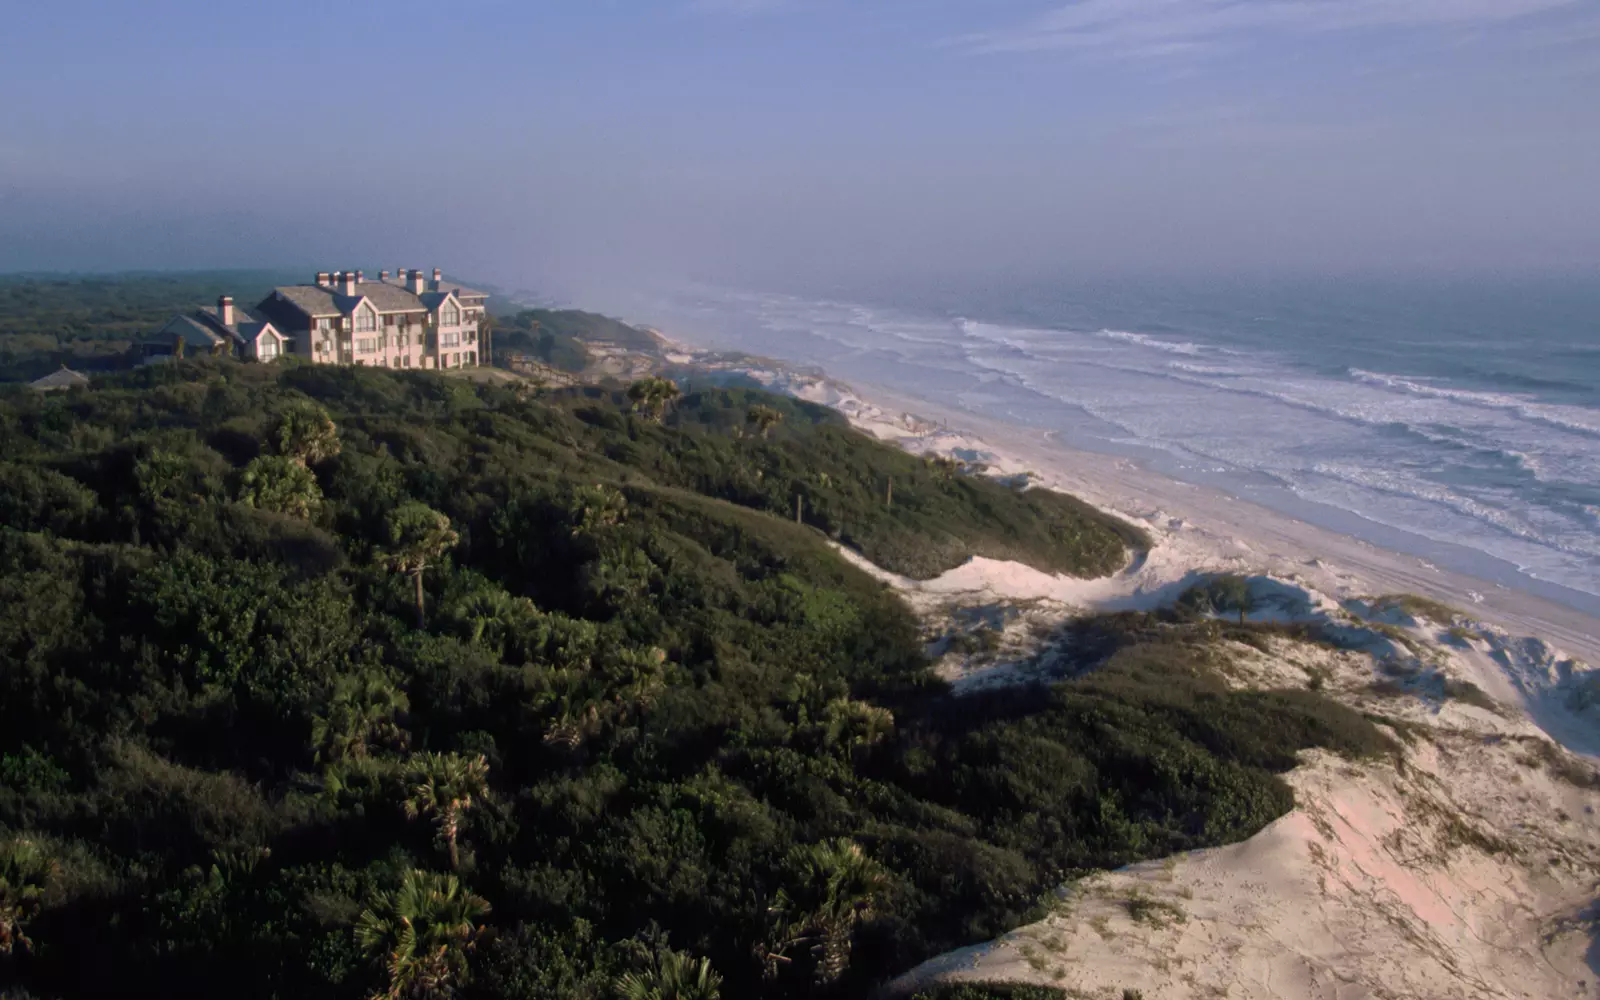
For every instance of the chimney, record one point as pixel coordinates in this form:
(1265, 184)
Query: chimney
(418, 285)
(383, 275)
(361, 277)
(348, 281)
(323, 279)
(436, 276)
(225, 310)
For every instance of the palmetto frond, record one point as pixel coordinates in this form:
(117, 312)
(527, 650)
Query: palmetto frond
(420, 932)
(672, 975)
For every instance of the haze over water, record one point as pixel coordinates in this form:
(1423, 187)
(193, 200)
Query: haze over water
(1457, 420)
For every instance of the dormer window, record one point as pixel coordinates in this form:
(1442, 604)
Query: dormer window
(366, 320)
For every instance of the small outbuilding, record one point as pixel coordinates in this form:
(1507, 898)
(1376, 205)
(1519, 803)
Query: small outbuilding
(66, 378)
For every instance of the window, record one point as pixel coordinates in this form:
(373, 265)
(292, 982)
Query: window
(449, 339)
(267, 348)
(471, 357)
(366, 345)
(449, 315)
(322, 325)
(402, 340)
(366, 319)
(388, 321)
(405, 361)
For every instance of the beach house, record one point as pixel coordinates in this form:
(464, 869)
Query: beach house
(223, 329)
(405, 321)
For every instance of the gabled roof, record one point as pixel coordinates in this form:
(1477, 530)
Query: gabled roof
(309, 299)
(191, 329)
(436, 299)
(66, 378)
(246, 325)
(315, 301)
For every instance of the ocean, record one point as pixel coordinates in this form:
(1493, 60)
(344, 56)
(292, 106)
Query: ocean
(1458, 420)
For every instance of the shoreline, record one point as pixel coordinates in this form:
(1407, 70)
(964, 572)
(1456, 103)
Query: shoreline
(1338, 564)
(1214, 529)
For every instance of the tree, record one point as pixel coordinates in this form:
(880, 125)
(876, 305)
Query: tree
(282, 485)
(363, 712)
(850, 724)
(1232, 593)
(305, 433)
(445, 786)
(672, 975)
(418, 537)
(24, 872)
(1227, 592)
(763, 417)
(653, 395)
(421, 933)
(834, 886)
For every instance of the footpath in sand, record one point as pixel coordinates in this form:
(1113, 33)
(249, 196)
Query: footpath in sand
(1465, 865)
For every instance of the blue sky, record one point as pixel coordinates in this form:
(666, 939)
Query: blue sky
(746, 139)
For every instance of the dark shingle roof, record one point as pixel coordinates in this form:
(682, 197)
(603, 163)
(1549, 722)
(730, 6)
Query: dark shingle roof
(190, 328)
(309, 299)
(313, 300)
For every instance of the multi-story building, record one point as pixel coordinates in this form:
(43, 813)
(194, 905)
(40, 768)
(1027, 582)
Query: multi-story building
(406, 321)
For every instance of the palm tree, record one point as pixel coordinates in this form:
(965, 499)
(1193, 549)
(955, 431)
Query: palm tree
(835, 886)
(421, 932)
(488, 617)
(764, 417)
(24, 872)
(851, 724)
(595, 508)
(653, 395)
(305, 433)
(282, 485)
(672, 975)
(418, 536)
(364, 712)
(445, 786)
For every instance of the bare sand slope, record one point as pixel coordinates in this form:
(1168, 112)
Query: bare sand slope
(1465, 867)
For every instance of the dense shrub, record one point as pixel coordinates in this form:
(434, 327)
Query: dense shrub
(636, 694)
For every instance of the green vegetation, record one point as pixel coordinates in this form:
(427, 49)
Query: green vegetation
(934, 521)
(535, 677)
(542, 335)
(1415, 607)
(1222, 594)
(90, 322)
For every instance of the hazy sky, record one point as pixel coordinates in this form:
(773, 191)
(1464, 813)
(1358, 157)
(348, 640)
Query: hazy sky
(536, 141)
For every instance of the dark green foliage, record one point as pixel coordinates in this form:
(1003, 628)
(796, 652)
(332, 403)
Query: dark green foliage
(1222, 594)
(641, 697)
(555, 338)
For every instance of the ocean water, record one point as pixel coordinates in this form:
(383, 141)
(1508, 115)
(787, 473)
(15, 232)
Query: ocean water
(1457, 420)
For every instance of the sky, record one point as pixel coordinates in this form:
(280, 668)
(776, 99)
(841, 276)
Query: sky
(557, 143)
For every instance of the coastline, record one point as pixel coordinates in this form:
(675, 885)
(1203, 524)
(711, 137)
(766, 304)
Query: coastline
(1244, 535)
(1463, 864)
(1202, 527)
